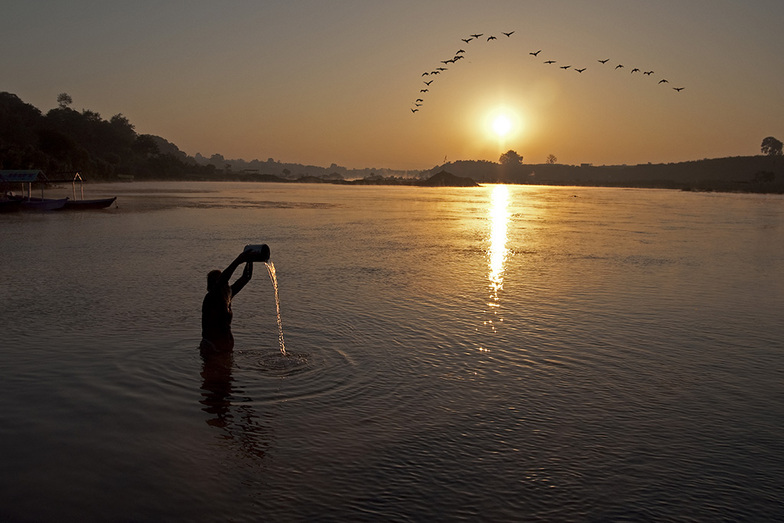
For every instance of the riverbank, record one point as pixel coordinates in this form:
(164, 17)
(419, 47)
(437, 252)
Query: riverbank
(448, 179)
(728, 175)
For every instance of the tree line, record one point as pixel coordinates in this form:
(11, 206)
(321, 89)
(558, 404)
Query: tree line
(762, 173)
(65, 140)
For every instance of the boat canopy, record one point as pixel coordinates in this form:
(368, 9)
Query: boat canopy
(22, 176)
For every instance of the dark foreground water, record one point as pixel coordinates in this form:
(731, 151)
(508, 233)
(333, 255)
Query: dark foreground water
(495, 353)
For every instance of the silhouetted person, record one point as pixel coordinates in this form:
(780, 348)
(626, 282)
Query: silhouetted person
(216, 308)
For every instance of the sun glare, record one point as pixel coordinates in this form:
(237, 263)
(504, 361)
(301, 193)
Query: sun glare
(502, 123)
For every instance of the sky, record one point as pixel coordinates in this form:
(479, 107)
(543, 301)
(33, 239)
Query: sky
(329, 81)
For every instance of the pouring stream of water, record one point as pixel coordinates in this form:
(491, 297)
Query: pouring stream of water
(274, 278)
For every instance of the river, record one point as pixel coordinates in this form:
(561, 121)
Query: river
(495, 353)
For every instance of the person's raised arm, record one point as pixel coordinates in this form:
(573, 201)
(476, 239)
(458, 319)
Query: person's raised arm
(247, 274)
(228, 271)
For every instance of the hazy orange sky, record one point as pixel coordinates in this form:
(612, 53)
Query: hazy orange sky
(321, 82)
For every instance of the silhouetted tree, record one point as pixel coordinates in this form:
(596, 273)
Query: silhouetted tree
(91, 116)
(18, 122)
(771, 147)
(64, 100)
(145, 145)
(67, 154)
(115, 139)
(121, 126)
(217, 160)
(55, 143)
(67, 140)
(551, 159)
(510, 157)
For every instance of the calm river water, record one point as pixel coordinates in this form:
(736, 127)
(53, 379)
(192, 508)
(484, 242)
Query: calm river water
(502, 353)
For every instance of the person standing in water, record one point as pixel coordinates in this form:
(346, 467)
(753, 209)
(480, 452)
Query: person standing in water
(216, 311)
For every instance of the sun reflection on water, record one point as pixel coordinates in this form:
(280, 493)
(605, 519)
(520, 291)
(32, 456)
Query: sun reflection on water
(497, 253)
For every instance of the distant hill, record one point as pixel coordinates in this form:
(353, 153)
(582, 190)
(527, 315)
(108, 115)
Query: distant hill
(741, 173)
(446, 179)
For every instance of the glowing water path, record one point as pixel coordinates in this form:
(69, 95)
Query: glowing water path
(497, 253)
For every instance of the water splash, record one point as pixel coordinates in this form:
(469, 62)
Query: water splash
(274, 278)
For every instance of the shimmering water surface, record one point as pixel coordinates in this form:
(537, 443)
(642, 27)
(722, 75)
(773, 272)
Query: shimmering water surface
(497, 353)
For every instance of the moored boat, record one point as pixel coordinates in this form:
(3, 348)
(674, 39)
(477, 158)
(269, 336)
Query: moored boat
(26, 202)
(28, 177)
(41, 204)
(81, 205)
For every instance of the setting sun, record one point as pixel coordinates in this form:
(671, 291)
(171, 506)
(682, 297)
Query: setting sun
(502, 123)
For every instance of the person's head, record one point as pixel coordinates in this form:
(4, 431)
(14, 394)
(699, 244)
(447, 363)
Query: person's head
(212, 280)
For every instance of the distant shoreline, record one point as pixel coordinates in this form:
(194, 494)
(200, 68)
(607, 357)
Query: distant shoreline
(746, 174)
(65, 141)
(737, 187)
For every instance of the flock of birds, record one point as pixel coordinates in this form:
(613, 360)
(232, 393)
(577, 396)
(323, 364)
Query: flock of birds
(429, 76)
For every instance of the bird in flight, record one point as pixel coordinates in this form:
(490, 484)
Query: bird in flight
(663, 81)
(580, 70)
(550, 62)
(425, 73)
(424, 91)
(440, 68)
(679, 89)
(565, 67)
(459, 51)
(536, 53)
(648, 72)
(507, 34)
(491, 38)
(477, 36)
(419, 100)
(635, 70)
(603, 61)
(619, 66)
(466, 40)
(428, 83)
(414, 110)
